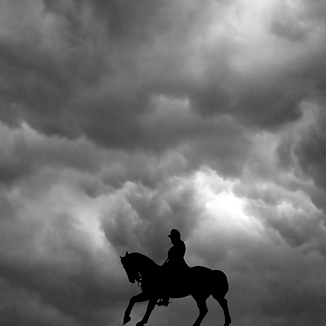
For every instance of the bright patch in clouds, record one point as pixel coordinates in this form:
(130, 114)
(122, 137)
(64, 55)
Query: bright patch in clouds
(224, 210)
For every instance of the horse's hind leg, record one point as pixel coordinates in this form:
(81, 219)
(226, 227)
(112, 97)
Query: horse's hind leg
(137, 298)
(224, 304)
(201, 303)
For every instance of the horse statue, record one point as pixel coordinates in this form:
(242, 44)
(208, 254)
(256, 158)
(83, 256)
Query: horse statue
(199, 282)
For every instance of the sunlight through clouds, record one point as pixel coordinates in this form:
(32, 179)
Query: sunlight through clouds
(225, 212)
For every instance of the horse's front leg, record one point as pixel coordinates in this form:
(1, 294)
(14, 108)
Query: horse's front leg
(137, 298)
(150, 307)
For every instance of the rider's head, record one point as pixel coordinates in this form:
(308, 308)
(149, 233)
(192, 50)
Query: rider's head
(174, 235)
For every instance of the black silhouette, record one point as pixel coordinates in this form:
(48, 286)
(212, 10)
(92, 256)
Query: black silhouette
(175, 267)
(175, 280)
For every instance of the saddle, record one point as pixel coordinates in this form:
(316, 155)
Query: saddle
(175, 280)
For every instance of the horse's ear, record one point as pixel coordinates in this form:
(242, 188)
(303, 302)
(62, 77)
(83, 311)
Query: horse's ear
(127, 253)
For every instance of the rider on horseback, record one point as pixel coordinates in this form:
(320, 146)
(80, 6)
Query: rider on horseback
(174, 264)
(200, 282)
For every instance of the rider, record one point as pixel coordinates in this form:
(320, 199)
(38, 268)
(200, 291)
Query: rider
(174, 262)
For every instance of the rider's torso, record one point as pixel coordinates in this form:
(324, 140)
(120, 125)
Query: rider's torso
(177, 252)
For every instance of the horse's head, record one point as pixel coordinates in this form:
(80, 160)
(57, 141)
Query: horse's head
(130, 268)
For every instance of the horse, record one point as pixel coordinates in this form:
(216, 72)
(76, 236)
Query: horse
(200, 282)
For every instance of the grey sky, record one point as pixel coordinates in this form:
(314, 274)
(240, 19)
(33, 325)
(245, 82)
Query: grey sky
(120, 120)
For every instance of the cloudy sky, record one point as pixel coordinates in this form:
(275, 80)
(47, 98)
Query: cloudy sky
(122, 119)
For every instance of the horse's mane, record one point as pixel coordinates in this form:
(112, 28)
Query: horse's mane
(141, 257)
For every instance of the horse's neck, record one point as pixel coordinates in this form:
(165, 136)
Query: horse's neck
(145, 264)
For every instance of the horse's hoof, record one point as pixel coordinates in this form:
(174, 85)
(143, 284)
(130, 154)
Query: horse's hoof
(140, 324)
(126, 319)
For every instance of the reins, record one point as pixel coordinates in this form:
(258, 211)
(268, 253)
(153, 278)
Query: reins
(139, 280)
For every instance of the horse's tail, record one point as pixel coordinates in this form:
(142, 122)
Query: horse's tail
(221, 285)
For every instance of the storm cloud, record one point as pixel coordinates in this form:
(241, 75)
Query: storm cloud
(123, 119)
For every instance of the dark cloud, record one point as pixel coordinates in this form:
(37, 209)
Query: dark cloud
(123, 119)
(120, 43)
(292, 25)
(311, 153)
(24, 152)
(26, 308)
(62, 276)
(140, 218)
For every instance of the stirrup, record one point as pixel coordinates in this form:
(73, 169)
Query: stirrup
(163, 302)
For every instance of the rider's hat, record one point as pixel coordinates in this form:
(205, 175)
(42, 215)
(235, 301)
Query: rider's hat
(174, 233)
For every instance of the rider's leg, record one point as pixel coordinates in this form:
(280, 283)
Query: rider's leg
(164, 294)
(165, 284)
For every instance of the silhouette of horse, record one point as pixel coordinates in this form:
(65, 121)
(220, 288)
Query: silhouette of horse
(199, 282)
